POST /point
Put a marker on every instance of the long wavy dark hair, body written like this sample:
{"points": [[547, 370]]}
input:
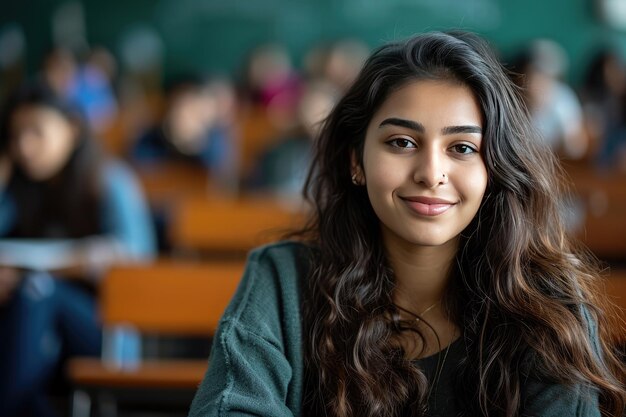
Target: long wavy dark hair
{"points": [[521, 290], [67, 206]]}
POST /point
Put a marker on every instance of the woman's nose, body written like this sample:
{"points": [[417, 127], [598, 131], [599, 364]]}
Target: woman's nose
{"points": [[431, 168]]}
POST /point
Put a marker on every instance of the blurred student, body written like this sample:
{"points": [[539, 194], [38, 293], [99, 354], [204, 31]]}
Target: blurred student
{"points": [[13, 49], [87, 84], [65, 215], [271, 88], [338, 63], [93, 90], [604, 95], [282, 168], [554, 107], [271, 81], [195, 128]]}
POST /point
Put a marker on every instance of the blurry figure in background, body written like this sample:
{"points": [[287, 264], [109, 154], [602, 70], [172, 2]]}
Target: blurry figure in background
{"points": [[113, 130], [344, 62], [603, 95], [554, 107], [59, 71], [142, 53], [103, 60], [12, 54], [226, 172], [197, 128], [282, 168], [339, 63], [273, 84], [85, 84], [93, 90], [64, 213]]}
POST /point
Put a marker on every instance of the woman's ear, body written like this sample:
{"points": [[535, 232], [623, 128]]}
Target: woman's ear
{"points": [[356, 172]]}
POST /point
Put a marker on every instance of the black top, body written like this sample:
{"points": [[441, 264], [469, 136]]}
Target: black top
{"points": [[440, 370]]}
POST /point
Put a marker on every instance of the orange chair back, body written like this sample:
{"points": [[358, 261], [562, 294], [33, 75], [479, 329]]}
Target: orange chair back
{"points": [[170, 297], [221, 225]]}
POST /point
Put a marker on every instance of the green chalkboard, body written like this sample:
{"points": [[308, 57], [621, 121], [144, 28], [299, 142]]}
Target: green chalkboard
{"points": [[216, 35]]}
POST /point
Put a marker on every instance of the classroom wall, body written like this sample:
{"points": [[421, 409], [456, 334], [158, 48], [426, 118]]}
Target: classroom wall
{"points": [[215, 35]]}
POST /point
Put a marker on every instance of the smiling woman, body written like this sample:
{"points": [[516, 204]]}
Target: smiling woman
{"points": [[422, 168], [435, 277]]}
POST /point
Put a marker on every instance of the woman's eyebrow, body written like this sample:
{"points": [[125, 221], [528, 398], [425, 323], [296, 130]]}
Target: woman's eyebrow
{"points": [[418, 127], [453, 130], [409, 124]]}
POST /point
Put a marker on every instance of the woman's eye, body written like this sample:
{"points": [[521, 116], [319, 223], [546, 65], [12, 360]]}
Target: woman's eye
{"points": [[463, 149], [401, 143]]}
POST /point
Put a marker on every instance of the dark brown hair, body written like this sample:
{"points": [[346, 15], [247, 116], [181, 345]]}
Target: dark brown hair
{"points": [[521, 291], [67, 206]]}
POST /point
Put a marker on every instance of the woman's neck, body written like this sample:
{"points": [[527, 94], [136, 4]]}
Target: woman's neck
{"points": [[421, 272], [422, 276]]}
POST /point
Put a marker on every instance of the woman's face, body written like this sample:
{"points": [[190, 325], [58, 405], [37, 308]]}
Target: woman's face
{"points": [[42, 141], [422, 166]]}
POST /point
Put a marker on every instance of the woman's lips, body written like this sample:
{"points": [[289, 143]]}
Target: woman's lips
{"points": [[427, 206]]}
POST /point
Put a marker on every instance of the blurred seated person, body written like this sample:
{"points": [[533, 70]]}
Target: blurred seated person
{"points": [[196, 128], [282, 168], [272, 85], [86, 84], [65, 215], [604, 95], [94, 89], [554, 107], [339, 63]]}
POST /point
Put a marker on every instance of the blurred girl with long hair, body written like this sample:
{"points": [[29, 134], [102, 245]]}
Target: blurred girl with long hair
{"points": [[66, 213]]}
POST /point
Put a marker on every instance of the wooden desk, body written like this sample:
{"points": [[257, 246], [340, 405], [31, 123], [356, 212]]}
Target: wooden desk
{"points": [[230, 225]]}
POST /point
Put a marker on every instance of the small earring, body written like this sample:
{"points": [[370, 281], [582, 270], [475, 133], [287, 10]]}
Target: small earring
{"points": [[354, 180]]}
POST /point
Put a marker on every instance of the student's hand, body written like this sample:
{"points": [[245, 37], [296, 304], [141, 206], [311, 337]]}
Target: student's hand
{"points": [[9, 279]]}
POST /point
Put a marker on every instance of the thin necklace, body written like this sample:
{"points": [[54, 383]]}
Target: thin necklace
{"points": [[418, 317], [441, 364]]}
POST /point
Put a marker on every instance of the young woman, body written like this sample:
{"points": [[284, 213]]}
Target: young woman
{"points": [[64, 213], [435, 277]]}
